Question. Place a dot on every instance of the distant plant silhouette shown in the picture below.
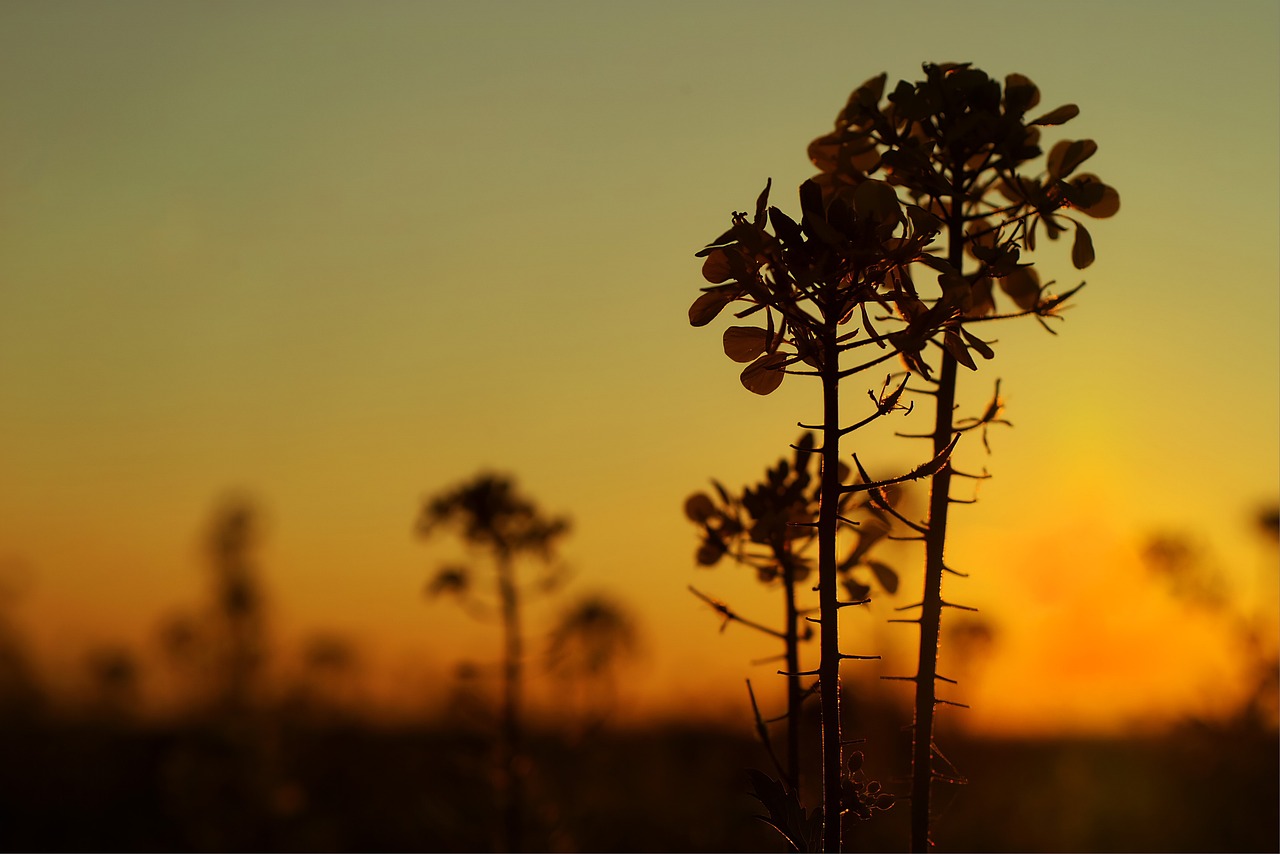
(489, 513)
(955, 146)
(590, 639)
(958, 144)
(327, 687)
(239, 606)
(22, 696)
(222, 778)
(1190, 573)
(765, 527)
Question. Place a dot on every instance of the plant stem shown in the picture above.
(931, 616)
(935, 545)
(509, 759)
(794, 695)
(828, 595)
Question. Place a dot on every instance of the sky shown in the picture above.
(339, 256)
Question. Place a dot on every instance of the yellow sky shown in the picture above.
(342, 255)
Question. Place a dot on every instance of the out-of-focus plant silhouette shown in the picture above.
(489, 513)
(962, 147)
(327, 690)
(765, 527)
(1191, 574)
(592, 637)
(239, 606)
(224, 779)
(22, 697)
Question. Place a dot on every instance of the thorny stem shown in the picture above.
(828, 599)
(935, 544)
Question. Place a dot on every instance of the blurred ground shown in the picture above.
(276, 784)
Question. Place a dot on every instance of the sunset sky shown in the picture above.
(338, 256)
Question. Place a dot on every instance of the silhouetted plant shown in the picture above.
(22, 696)
(586, 645)
(327, 687)
(1192, 576)
(239, 605)
(223, 778)
(958, 144)
(765, 527)
(955, 145)
(809, 280)
(489, 513)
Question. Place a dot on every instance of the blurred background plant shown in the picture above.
(489, 514)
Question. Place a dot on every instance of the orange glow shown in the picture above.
(342, 262)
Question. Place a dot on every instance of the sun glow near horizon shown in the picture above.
(341, 259)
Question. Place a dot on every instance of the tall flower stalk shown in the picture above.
(806, 283)
(959, 145)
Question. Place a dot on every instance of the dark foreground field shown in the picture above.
(340, 787)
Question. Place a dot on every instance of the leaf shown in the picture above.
(877, 201)
(762, 203)
(1083, 194)
(980, 302)
(1063, 114)
(870, 532)
(824, 152)
(706, 307)
(938, 264)
(857, 592)
(786, 815)
(811, 201)
(786, 228)
(955, 289)
(923, 222)
(744, 343)
(984, 350)
(885, 575)
(864, 157)
(699, 507)
(817, 226)
(1106, 206)
(1067, 155)
(867, 97)
(764, 374)
(451, 579)
(1023, 287)
(953, 344)
(1020, 94)
(710, 552)
(716, 268)
(934, 465)
(1082, 248)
